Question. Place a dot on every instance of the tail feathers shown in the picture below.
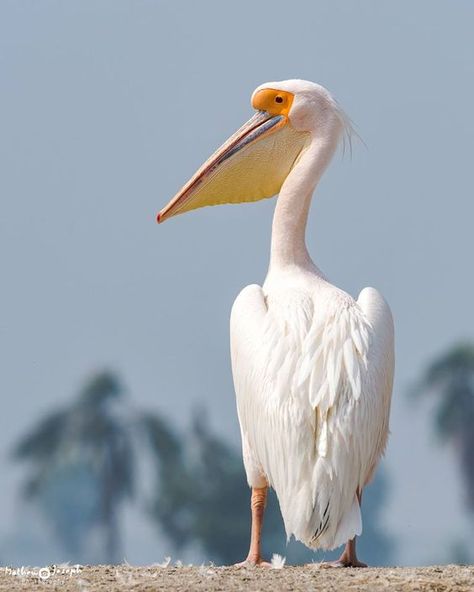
(350, 525)
(321, 533)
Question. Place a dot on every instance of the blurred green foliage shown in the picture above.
(450, 378)
(81, 464)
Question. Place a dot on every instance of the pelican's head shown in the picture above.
(254, 162)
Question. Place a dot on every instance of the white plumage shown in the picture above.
(313, 368)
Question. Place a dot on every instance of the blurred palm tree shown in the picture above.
(451, 379)
(82, 466)
(170, 506)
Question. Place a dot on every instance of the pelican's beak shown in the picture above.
(251, 165)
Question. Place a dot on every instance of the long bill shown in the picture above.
(251, 165)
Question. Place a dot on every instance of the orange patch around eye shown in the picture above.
(268, 99)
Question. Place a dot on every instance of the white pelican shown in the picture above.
(312, 367)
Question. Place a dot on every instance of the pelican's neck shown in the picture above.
(288, 247)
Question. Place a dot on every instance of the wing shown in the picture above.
(247, 318)
(307, 376)
(381, 365)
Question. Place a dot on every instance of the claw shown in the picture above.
(252, 562)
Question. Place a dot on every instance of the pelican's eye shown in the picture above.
(273, 101)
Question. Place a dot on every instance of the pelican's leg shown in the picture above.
(349, 555)
(257, 504)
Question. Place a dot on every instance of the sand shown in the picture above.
(317, 578)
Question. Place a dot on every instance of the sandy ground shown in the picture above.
(317, 578)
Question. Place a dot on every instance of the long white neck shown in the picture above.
(288, 246)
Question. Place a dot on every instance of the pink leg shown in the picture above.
(257, 504)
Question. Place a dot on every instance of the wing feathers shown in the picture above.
(341, 352)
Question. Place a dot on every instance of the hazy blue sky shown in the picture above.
(106, 109)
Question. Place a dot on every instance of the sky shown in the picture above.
(107, 108)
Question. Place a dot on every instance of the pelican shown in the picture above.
(312, 366)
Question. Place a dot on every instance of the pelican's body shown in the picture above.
(312, 367)
(312, 371)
